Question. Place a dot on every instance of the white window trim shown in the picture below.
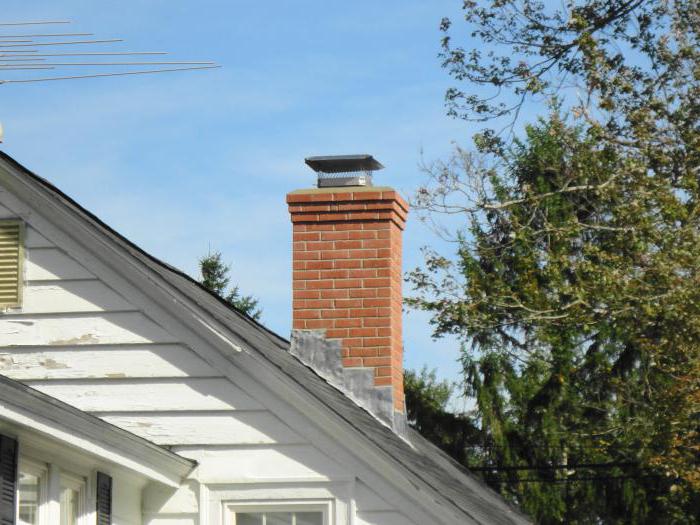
(41, 471)
(231, 508)
(335, 496)
(51, 478)
(80, 485)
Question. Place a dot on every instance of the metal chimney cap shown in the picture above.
(343, 163)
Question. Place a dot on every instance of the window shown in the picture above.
(72, 499)
(38, 484)
(277, 517)
(31, 492)
(11, 255)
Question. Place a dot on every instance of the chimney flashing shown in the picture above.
(324, 356)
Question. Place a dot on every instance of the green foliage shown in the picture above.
(576, 284)
(427, 412)
(215, 278)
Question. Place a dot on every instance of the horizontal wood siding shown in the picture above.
(203, 428)
(126, 502)
(246, 464)
(169, 395)
(68, 296)
(115, 361)
(78, 340)
(71, 329)
(383, 518)
(33, 239)
(50, 263)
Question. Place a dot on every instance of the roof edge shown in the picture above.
(27, 407)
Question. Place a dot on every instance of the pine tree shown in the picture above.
(215, 278)
(575, 284)
(577, 287)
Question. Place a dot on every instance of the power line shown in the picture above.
(117, 53)
(554, 467)
(69, 43)
(23, 68)
(574, 479)
(43, 35)
(118, 63)
(98, 75)
(43, 22)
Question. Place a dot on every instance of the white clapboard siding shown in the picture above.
(76, 329)
(33, 239)
(255, 427)
(183, 394)
(160, 499)
(273, 462)
(6, 213)
(382, 518)
(71, 296)
(126, 502)
(368, 500)
(171, 519)
(127, 361)
(50, 264)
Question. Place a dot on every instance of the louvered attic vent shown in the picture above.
(11, 240)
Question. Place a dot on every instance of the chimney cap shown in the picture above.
(343, 163)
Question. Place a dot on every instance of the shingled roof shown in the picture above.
(470, 496)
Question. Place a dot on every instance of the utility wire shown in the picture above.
(554, 467)
(97, 75)
(120, 63)
(47, 22)
(574, 479)
(43, 35)
(109, 41)
(118, 53)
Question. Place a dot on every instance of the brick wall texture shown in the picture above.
(347, 275)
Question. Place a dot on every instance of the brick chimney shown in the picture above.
(347, 270)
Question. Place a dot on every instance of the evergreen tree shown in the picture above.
(427, 411)
(575, 286)
(215, 278)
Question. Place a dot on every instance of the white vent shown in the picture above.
(11, 255)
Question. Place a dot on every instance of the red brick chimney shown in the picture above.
(347, 267)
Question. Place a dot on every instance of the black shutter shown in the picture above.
(8, 480)
(104, 499)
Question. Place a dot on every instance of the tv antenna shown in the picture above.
(37, 51)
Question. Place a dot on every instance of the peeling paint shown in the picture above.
(116, 375)
(82, 340)
(52, 364)
(6, 361)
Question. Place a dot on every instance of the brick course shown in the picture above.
(347, 275)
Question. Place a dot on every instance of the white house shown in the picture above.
(130, 395)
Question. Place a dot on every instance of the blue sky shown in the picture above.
(183, 162)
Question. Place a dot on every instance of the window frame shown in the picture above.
(80, 485)
(52, 477)
(322, 506)
(40, 470)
